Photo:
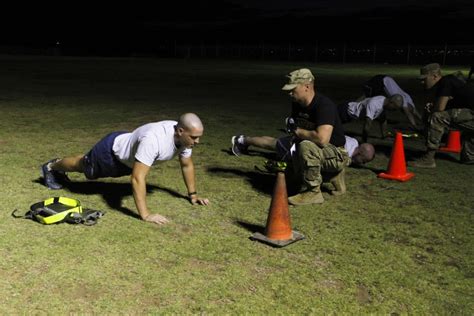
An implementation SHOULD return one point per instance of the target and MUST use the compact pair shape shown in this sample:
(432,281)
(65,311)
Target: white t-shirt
(149,143)
(350,145)
(391,88)
(369,107)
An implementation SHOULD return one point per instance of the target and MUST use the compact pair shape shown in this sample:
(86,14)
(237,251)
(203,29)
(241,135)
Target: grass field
(384,247)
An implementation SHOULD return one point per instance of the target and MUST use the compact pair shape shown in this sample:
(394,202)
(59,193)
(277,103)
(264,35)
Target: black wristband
(192,193)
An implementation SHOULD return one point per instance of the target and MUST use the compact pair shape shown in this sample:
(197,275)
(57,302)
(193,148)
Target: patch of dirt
(451,262)
(363,295)
(420,258)
(335,285)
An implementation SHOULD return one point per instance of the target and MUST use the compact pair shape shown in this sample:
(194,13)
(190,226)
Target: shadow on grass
(373,169)
(413,153)
(259,181)
(253,228)
(112,193)
(261,153)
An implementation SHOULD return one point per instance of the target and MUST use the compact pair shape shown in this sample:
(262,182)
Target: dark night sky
(134,23)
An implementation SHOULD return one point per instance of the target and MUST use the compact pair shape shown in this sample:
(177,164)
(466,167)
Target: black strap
(27,215)
(90,217)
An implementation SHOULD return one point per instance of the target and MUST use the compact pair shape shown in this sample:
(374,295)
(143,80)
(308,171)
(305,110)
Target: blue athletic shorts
(283,146)
(100,161)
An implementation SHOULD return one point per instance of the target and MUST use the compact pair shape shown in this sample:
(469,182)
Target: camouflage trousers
(312,160)
(460,119)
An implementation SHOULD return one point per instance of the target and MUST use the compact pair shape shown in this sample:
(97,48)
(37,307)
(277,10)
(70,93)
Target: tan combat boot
(339,182)
(425,161)
(312,196)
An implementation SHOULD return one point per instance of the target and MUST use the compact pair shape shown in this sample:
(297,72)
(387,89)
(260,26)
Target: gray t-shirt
(149,143)
(369,107)
(351,145)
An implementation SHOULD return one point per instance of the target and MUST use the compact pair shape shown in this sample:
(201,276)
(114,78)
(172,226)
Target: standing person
(317,134)
(125,153)
(370,109)
(387,86)
(452,107)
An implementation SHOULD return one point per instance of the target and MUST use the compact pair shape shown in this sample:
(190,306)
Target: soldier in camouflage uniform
(452,109)
(317,135)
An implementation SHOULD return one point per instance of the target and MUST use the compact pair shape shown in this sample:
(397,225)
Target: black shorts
(100,161)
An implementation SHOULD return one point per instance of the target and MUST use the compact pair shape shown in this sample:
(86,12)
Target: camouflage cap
(299,76)
(428,70)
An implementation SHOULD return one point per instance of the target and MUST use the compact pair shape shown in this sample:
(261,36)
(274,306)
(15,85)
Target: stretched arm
(411,118)
(321,136)
(417,114)
(187,168)
(366,129)
(383,128)
(138,180)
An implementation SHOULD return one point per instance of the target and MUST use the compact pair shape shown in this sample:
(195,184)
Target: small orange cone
(278,231)
(397,169)
(454,143)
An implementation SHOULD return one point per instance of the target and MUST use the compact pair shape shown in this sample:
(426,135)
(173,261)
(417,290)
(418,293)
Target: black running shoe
(237,147)
(49,177)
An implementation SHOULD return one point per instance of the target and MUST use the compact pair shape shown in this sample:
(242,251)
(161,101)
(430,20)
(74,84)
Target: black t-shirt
(321,111)
(462,93)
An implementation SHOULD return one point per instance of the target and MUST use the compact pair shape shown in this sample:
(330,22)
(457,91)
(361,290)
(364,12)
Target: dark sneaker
(61,176)
(423,162)
(49,177)
(237,147)
(313,196)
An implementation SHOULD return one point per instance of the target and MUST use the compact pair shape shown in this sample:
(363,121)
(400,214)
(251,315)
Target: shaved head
(190,121)
(363,154)
(394,102)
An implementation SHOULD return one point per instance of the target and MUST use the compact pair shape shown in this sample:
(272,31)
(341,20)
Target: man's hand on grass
(157,219)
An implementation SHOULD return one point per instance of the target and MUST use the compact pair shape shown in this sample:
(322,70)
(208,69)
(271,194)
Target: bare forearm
(139,195)
(410,116)
(440,104)
(366,129)
(313,136)
(383,129)
(189,177)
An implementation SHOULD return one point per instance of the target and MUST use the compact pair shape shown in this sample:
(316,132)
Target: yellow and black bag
(61,209)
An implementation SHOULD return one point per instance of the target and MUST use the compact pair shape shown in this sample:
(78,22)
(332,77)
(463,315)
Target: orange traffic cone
(278,231)
(454,143)
(397,169)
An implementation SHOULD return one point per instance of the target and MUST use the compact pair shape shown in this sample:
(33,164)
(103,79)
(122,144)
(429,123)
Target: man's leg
(464,121)
(264,142)
(69,164)
(438,124)
(54,171)
(241,143)
(97,163)
(461,118)
(467,151)
(336,167)
(308,161)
